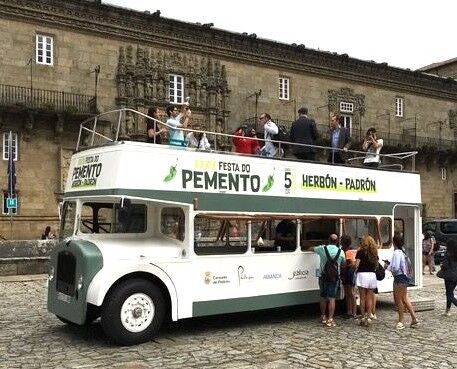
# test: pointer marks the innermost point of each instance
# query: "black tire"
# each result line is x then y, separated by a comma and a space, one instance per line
111, 312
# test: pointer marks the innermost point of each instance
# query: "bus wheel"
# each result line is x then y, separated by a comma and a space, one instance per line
133, 312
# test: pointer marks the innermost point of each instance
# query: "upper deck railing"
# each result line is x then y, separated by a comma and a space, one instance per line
112, 126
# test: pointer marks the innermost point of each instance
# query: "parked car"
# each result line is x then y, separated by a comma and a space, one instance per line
442, 229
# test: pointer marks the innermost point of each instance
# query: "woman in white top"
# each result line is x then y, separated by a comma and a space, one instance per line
270, 129
197, 140
400, 266
372, 145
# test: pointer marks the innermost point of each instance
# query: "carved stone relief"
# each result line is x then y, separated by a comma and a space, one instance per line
453, 119
335, 97
143, 80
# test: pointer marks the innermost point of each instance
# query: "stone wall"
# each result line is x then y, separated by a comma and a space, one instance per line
89, 34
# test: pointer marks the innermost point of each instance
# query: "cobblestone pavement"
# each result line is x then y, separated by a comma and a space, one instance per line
30, 337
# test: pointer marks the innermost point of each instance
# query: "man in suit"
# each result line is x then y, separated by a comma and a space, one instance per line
339, 139
304, 131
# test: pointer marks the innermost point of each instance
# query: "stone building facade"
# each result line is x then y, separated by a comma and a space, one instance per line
447, 68
64, 61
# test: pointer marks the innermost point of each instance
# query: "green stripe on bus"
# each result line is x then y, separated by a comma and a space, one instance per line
254, 203
236, 305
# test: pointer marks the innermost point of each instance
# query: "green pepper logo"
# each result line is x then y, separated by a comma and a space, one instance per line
172, 173
270, 182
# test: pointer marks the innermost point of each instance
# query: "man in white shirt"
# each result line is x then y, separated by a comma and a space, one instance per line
270, 129
177, 119
372, 145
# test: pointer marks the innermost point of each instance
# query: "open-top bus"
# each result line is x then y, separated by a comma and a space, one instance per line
150, 231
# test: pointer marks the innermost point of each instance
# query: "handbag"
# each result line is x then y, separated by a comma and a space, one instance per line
380, 272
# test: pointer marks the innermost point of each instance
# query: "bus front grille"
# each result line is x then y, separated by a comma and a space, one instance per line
66, 271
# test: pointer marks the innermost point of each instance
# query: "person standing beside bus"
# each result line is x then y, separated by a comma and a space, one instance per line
372, 145
328, 286
448, 272
347, 276
366, 261
270, 129
427, 251
177, 119
400, 266
304, 131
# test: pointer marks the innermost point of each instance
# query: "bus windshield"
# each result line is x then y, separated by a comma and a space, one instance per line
68, 219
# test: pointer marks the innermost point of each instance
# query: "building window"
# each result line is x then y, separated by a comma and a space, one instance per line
284, 84
176, 89
346, 107
5, 210
346, 121
44, 50
399, 107
6, 146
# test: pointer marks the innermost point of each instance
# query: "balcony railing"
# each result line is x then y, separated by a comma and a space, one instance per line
58, 101
392, 139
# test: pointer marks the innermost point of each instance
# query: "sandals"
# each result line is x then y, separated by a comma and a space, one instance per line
400, 326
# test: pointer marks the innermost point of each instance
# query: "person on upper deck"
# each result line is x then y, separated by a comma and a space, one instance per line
154, 132
243, 144
177, 119
304, 131
372, 145
197, 140
270, 129
339, 139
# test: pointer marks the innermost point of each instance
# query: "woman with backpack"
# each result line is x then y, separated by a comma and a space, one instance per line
366, 262
401, 269
448, 272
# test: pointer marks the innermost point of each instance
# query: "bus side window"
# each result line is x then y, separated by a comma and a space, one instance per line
317, 231
385, 232
172, 223
219, 236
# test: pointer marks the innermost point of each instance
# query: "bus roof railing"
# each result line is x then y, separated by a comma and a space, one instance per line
89, 137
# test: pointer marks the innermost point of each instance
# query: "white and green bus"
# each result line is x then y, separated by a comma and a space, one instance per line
150, 232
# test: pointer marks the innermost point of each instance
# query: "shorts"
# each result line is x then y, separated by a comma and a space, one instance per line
366, 280
328, 289
401, 280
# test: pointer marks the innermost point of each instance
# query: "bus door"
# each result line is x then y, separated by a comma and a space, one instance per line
407, 221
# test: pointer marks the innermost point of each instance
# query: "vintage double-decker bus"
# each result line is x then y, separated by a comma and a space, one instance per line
152, 231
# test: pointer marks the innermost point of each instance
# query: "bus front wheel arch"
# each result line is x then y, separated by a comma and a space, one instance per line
133, 312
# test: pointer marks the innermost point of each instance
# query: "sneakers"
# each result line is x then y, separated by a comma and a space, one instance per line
373, 316
400, 326
323, 319
447, 313
414, 324
330, 323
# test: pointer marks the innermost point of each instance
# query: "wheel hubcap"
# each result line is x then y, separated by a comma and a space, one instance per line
137, 312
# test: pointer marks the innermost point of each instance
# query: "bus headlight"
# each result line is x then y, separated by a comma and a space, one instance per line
79, 285
51, 274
